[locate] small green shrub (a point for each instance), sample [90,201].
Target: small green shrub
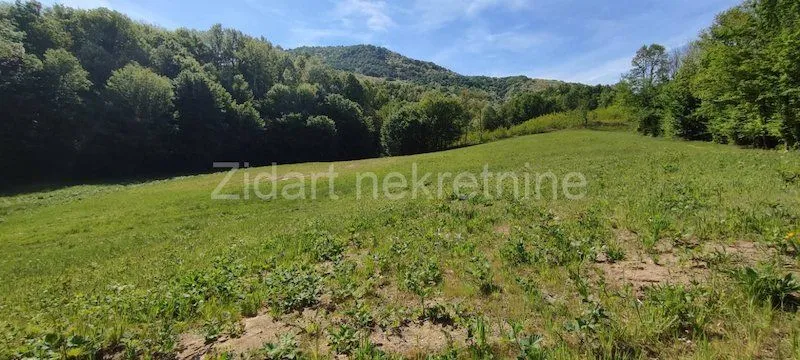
[326,247]
[251,304]
[515,253]
[528,346]
[480,269]
[292,289]
[767,286]
[688,311]
[286,349]
[360,317]
[421,278]
[478,339]
[344,339]
[614,252]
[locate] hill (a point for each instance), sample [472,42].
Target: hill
[655,253]
[380,62]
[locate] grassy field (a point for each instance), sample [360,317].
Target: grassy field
[678,249]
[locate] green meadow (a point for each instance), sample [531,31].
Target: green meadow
[676,250]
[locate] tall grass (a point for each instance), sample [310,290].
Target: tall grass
[614,118]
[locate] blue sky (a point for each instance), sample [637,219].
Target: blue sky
[582,41]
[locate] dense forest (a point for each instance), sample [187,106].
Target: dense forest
[382,63]
[93,94]
[739,83]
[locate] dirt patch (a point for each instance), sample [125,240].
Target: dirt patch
[645,272]
[419,339]
[258,331]
[745,252]
[667,267]
[626,236]
[503,229]
[192,346]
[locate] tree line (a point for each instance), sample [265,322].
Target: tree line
[93,94]
[738,83]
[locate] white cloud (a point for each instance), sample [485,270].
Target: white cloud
[475,7]
[433,14]
[308,36]
[587,70]
[374,12]
[479,41]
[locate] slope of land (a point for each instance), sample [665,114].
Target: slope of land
[383,63]
[650,263]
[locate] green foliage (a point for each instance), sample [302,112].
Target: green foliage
[446,120]
[480,270]
[292,288]
[380,62]
[140,92]
[421,278]
[766,285]
[478,338]
[130,280]
[525,106]
[403,132]
[139,123]
[286,349]
[344,339]
[491,119]
[687,311]
[325,247]
[355,133]
[435,123]
[610,118]
[88,94]
[515,252]
[735,84]
[528,346]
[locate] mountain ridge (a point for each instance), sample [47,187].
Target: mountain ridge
[380,62]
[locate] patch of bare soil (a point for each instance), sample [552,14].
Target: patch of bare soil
[258,331]
[419,339]
[644,272]
[745,252]
[503,229]
[676,264]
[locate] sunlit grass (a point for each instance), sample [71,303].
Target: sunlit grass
[133,266]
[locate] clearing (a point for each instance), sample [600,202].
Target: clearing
[678,249]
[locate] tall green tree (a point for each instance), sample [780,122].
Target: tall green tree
[138,125]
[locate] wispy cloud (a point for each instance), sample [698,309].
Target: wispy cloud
[373,12]
[310,36]
[433,14]
[475,7]
[480,41]
[592,68]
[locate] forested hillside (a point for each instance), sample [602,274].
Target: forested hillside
[93,94]
[383,63]
[739,83]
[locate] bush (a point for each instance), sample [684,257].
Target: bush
[767,286]
[404,132]
[435,123]
[687,311]
[292,289]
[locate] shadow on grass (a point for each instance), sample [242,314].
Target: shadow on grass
[20,188]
